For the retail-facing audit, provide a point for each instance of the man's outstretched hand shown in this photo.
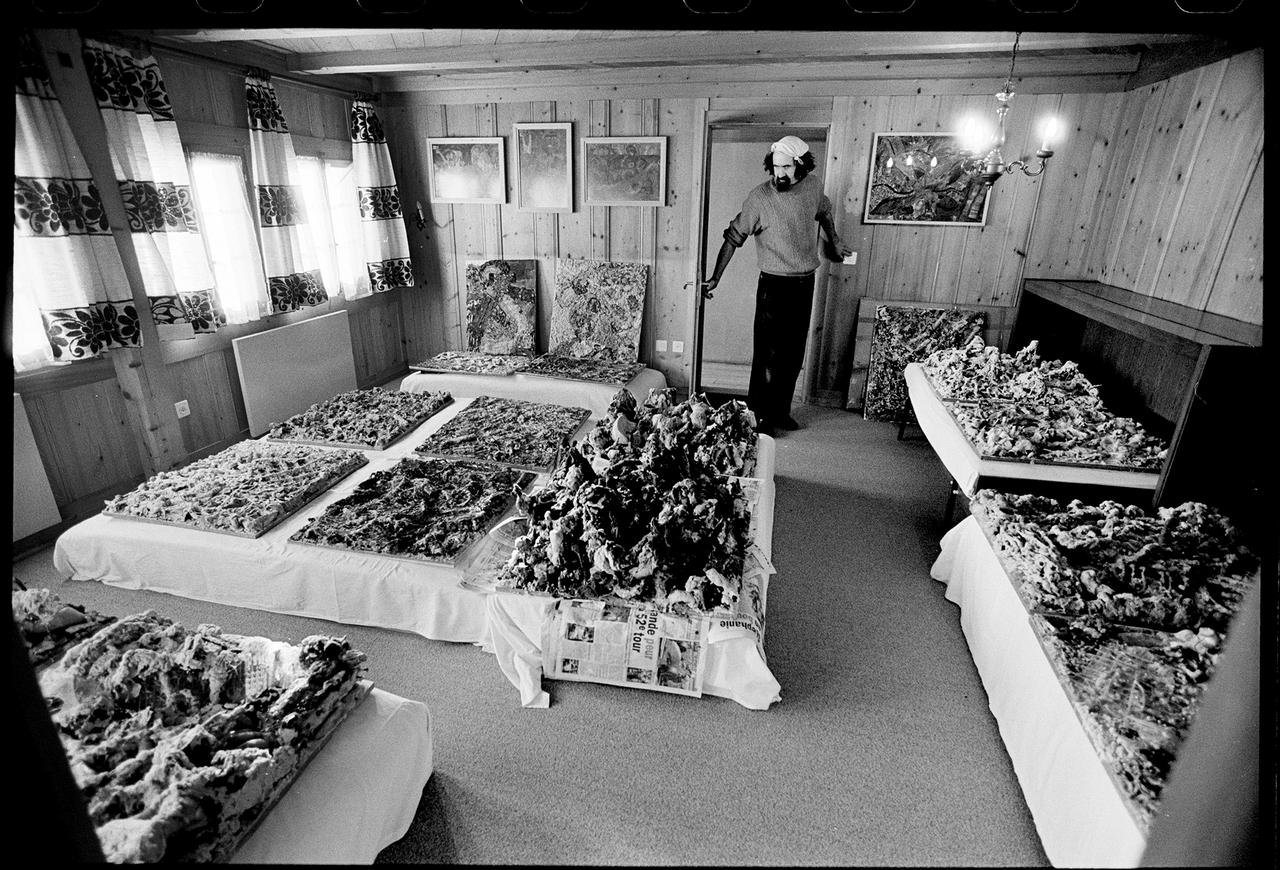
(709, 285)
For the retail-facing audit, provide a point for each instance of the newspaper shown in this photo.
(634, 645)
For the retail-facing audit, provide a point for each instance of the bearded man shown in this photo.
(781, 214)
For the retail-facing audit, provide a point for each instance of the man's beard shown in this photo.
(782, 183)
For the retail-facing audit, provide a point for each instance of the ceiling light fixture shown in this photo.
(990, 165)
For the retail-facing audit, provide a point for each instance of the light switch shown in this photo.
(661, 345)
(677, 347)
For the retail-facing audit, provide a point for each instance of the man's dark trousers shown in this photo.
(783, 303)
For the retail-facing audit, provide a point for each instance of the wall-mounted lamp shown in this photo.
(988, 160)
(419, 218)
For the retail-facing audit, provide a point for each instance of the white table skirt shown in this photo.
(735, 666)
(357, 796)
(966, 466)
(275, 574)
(533, 388)
(281, 576)
(1081, 817)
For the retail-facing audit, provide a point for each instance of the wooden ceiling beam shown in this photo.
(775, 90)
(272, 34)
(990, 71)
(745, 47)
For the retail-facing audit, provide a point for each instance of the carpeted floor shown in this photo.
(881, 752)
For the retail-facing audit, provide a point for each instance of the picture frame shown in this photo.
(467, 169)
(931, 181)
(624, 170)
(543, 166)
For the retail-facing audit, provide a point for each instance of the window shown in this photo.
(333, 211)
(230, 237)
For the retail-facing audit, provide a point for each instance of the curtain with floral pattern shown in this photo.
(151, 170)
(293, 270)
(71, 299)
(386, 244)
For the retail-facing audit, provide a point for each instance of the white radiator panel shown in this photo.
(33, 506)
(286, 370)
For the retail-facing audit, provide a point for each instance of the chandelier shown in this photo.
(988, 161)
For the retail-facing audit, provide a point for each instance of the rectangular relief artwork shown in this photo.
(902, 335)
(624, 170)
(502, 304)
(924, 178)
(597, 309)
(513, 432)
(468, 170)
(544, 167)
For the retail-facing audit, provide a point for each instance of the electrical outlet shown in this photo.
(183, 409)
(677, 347)
(661, 345)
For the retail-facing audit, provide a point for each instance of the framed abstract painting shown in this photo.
(468, 170)
(624, 170)
(924, 178)
(544, 167)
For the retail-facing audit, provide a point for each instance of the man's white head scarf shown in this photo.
(791, 146)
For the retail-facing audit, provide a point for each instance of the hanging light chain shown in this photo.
(1008, 82)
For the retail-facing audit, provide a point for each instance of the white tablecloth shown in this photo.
(1080, 815)
(533, 388)
(735, 666)
(276, 574)
(966, 466)
(357, 796)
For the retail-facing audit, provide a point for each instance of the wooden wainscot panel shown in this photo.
(212, 390)
(1237, 290)
(377, 338)
(86, 440)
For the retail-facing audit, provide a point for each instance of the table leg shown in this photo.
(951, 502)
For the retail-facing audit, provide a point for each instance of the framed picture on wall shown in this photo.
(924, 178)
(544, 166)
(624, 170)
(468, 169)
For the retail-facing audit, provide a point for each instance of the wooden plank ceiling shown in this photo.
(399, 60)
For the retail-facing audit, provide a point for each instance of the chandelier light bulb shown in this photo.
(1050, 130)
(976, 134)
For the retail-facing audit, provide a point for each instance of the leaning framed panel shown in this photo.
(557, 391)
(357, 796)
(735, 665)
(967, 468)
(1080, 815)
(275, 574)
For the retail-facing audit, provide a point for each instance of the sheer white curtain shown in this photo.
(386, 244)
(227, 221)
(293, 272)
(71, 300)
(151, 169)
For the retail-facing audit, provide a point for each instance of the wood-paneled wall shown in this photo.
(454, 234)
(1171, 203)
(1157, 190)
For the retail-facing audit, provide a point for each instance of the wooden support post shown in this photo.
(143, 376)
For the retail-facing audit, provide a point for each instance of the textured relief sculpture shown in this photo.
(502, 300)
(597, 310)
(904, 335)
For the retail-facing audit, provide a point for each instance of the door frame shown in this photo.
(704, 122)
